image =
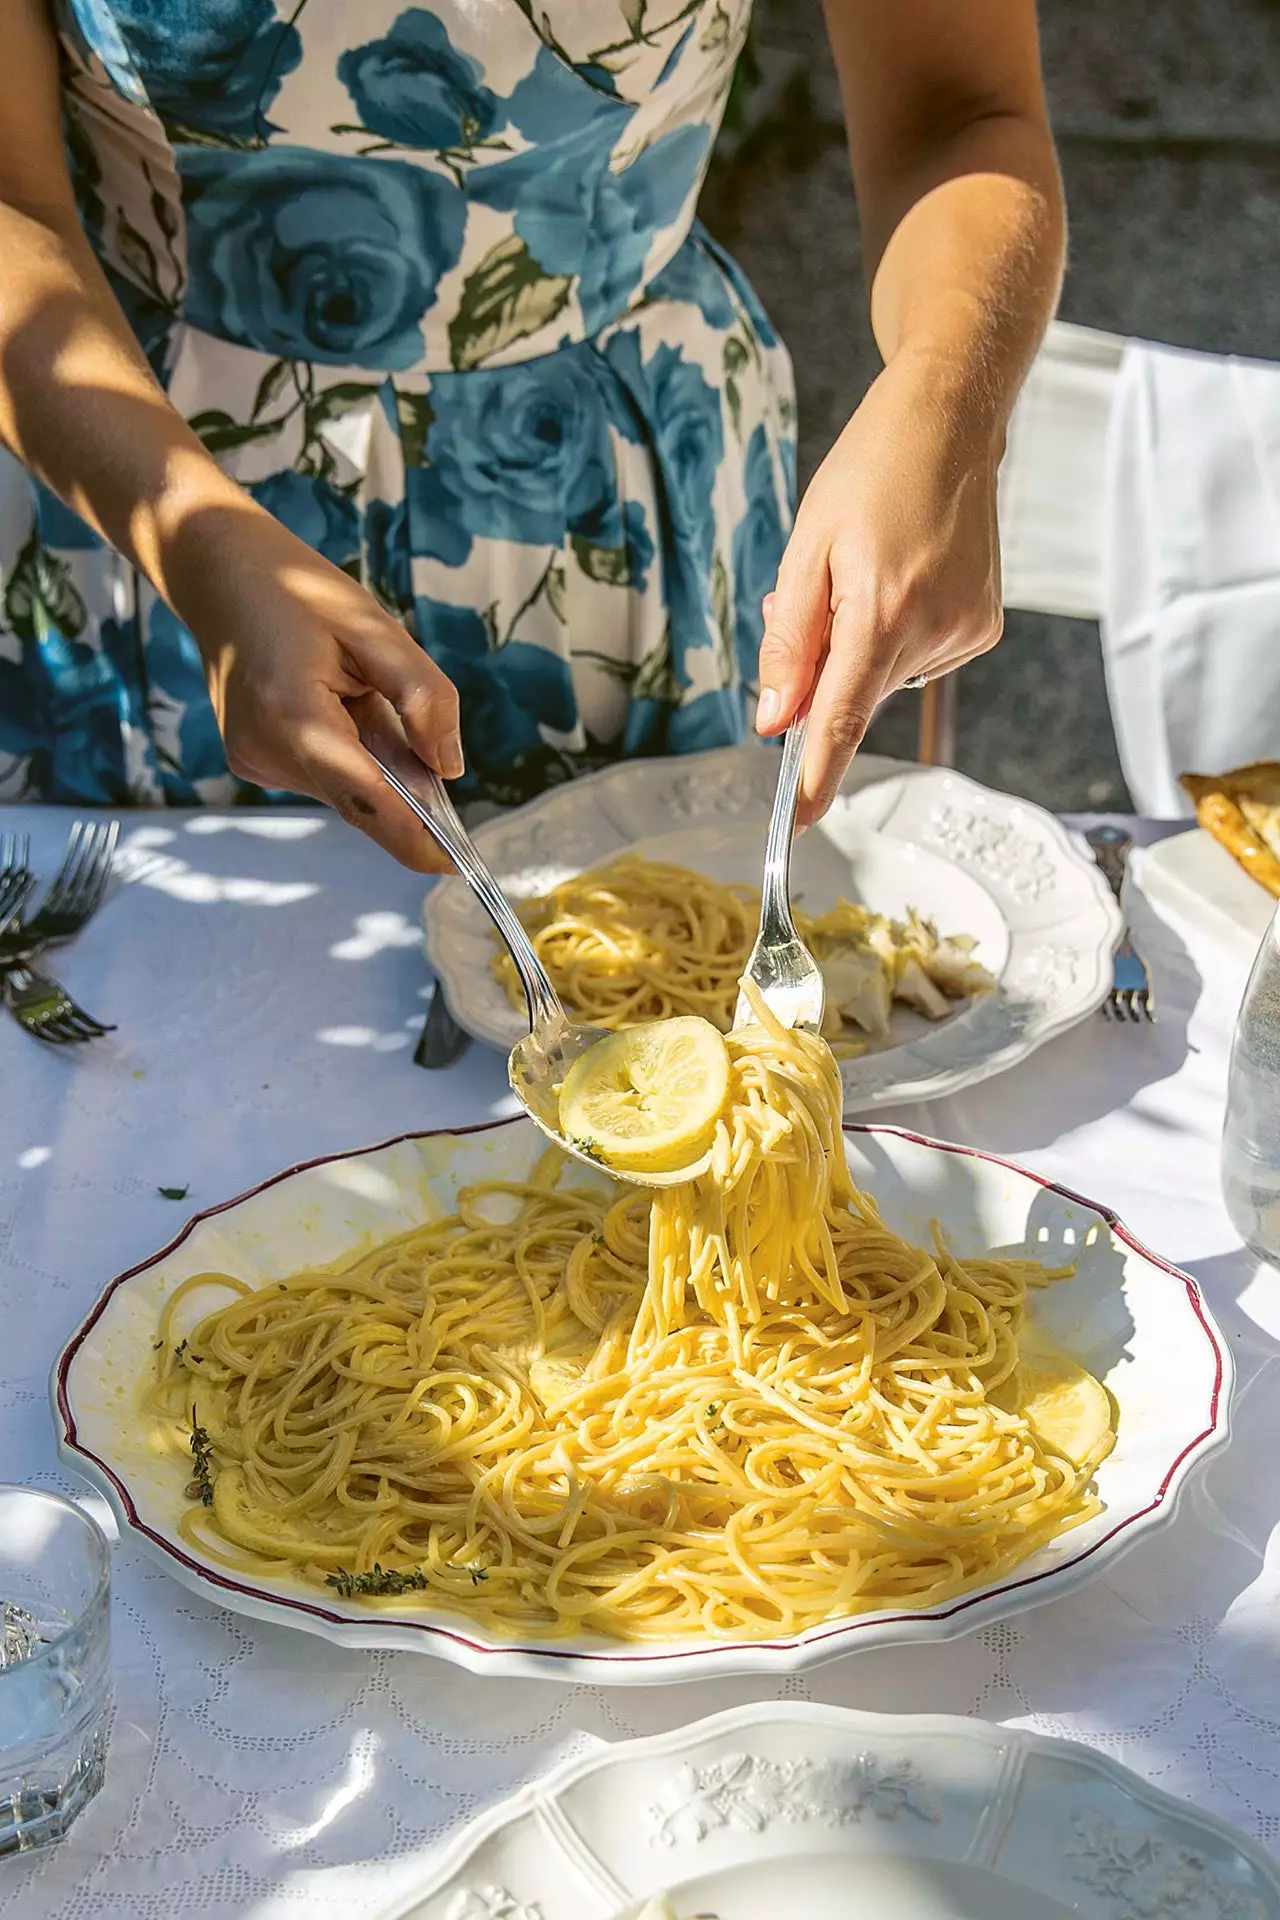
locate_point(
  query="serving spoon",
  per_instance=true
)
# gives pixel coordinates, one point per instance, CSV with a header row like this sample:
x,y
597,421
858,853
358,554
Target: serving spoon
x,y
536,1065
781,965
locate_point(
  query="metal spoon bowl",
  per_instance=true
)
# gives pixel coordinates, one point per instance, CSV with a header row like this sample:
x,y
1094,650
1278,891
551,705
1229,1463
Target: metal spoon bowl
x,y
537,1065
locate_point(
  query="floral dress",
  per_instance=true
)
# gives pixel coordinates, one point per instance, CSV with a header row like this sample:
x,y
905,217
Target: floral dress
x,y
427,281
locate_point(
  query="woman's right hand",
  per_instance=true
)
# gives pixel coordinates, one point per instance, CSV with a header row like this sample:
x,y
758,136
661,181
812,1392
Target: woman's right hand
x,y
299,658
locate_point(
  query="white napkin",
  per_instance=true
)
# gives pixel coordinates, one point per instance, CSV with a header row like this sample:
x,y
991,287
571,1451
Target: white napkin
x,y
1191,594
1052,527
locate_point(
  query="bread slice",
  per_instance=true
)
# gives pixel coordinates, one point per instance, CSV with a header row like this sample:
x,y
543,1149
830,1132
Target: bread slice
x,y
1241,809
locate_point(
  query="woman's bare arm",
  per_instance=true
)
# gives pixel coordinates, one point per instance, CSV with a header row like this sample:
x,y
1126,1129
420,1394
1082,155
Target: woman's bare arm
x,y
893,566
292,646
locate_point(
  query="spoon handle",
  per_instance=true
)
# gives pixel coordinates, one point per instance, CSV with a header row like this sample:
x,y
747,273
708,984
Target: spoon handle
x,y
776,924
428,799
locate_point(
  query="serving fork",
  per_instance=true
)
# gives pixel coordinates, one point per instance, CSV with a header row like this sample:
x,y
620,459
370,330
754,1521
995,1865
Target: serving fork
x,y
1130,997
788,977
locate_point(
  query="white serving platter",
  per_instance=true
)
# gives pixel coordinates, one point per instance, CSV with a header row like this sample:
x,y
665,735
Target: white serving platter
x,y
1137,1323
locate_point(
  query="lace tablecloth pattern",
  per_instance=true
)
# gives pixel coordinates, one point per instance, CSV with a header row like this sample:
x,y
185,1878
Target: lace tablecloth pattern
x,y
266,977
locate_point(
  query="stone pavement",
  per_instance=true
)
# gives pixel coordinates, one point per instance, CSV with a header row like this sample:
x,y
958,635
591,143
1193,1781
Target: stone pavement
x,y
1167,114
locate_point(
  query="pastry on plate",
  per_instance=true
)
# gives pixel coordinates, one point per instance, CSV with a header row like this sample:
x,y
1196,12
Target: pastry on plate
x,y
1241,809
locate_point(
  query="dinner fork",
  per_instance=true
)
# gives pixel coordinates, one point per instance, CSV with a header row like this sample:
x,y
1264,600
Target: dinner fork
x,y
781,966
1130,997
42,1007
74,895
16,877
45,1010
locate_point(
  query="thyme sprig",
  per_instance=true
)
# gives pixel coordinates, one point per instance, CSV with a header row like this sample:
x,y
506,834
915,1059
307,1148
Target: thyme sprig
x,y
392,1580
200,1486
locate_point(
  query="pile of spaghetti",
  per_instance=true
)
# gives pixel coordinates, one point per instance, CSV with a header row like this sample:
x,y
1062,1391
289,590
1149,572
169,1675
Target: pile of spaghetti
x,y
736,1407
640,940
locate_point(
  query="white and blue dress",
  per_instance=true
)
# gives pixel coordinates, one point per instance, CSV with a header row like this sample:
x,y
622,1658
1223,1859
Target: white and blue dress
x,y
427,281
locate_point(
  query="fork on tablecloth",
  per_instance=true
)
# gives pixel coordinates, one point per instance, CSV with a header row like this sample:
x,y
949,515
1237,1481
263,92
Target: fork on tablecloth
x,y
16,877
42,1007
1130,997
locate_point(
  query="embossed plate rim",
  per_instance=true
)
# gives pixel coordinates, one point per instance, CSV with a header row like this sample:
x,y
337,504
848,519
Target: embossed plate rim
x,y
930,1067
864,1735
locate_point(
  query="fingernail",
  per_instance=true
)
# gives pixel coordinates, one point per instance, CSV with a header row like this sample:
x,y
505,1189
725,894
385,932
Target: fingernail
x,y
452,764
768,709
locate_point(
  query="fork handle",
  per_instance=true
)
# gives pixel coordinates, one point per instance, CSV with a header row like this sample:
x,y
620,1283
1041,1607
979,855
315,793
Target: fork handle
x,y
1110,847
776,923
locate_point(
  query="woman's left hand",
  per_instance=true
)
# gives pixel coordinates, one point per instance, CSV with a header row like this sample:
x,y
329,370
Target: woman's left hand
x,y
892,570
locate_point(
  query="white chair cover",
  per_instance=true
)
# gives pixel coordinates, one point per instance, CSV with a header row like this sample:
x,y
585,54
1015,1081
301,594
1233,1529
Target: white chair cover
x,y
1191,604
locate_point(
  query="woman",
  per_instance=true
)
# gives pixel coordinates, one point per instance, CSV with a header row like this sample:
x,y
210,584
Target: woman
x,y
371,354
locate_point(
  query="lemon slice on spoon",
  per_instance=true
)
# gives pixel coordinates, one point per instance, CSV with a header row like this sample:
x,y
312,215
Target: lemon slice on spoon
x,y
647,1099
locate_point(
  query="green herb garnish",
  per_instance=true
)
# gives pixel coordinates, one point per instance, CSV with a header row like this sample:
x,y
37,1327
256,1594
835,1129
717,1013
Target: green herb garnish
x,y
200,1487
377,1580
392,1580
173,1193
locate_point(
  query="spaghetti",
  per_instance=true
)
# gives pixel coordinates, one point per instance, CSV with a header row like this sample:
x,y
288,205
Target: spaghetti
x,y
639,940
734,1408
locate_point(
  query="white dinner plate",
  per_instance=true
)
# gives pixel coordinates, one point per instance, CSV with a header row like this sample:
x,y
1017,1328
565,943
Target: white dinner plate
x,y
823,1813
1135,1322
898,836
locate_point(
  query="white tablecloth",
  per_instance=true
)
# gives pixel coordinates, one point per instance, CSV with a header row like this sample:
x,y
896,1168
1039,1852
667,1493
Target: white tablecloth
x,y
268,987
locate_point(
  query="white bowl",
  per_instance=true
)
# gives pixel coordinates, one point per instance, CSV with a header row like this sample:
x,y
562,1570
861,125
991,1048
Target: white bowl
x,y
1140,1325
898,836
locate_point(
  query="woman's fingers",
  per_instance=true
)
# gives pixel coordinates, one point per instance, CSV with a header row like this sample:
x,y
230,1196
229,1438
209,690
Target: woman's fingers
x,y
797,617
873,653
333,766
855,677
425,699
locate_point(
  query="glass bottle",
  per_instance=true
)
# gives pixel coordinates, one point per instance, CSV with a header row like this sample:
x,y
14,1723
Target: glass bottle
x,y
1251,1136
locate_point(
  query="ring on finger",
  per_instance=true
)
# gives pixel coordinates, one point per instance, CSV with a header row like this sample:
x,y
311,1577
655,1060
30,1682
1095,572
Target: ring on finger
x,y
915,683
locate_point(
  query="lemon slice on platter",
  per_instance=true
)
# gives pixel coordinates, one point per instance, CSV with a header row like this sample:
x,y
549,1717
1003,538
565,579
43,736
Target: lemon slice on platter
x,y
647,1099
1066,1408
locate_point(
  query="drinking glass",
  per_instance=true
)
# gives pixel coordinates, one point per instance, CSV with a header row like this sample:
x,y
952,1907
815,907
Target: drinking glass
x,y
55,1683
1251,1135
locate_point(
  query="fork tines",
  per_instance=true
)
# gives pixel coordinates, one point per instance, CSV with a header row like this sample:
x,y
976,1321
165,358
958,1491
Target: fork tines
x,y
1133,1003
80,881
16,877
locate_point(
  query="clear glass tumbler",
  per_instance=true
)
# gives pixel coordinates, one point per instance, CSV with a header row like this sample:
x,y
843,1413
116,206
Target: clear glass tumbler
x,y
1251,1135
55,1678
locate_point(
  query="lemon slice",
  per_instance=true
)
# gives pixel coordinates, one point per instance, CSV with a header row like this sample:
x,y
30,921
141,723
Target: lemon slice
x,y
1066,1408
647,1100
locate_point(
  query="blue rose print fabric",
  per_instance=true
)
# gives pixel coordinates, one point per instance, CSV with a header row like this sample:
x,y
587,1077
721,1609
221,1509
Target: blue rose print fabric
x,y
426,281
